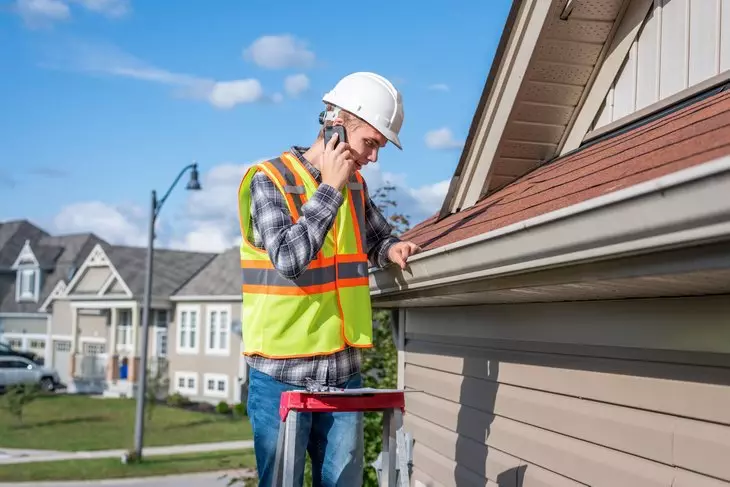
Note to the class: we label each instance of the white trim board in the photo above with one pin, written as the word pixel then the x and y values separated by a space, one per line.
pixel 199 328
pixel 216 377
pixel 219 309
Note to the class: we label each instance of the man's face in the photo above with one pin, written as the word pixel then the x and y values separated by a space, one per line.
pixel 365 142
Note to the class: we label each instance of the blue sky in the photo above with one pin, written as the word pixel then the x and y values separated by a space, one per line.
pixel 104 100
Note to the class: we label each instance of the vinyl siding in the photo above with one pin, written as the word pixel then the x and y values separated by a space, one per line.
pixel 630 393
pixel 202 363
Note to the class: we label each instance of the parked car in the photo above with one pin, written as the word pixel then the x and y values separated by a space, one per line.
pixel 16 370
pixel 7 350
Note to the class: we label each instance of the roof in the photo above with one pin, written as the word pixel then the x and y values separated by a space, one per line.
pixel 222 277
pixel 58 256
pixel 696 133
pixel 171 268
pixel 13 235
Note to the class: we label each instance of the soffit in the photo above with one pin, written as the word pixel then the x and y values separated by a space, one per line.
pixel 567 55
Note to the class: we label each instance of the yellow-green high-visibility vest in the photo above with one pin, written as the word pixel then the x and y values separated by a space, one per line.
pixel 327 307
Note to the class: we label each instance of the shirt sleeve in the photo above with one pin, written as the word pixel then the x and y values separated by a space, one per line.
pixel 292 246
pixel 379 233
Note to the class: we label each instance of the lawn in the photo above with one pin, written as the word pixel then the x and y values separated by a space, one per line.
pixel 233 462
pixel 76 423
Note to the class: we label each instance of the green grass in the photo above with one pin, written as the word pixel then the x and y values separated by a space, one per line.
pixel 107 468
pixel 76 423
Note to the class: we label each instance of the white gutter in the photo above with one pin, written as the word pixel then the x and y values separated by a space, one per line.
pixel 687 206
pixel 203 297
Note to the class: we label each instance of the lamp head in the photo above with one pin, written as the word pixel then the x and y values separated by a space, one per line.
pixel 194 182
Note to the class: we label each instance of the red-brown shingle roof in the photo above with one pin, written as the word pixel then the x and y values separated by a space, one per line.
pixel 687 137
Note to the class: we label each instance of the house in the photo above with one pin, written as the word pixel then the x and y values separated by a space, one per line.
pixel 568 322
pixel 32 265
pixel 205 354
pixel 77 301
pixel 97 315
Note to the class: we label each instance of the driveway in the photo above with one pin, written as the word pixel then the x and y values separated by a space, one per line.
pixel 210 479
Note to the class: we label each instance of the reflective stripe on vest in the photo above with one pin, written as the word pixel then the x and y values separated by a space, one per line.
pixel 325 308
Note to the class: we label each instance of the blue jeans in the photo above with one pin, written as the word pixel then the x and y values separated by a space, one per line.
pixel 334 440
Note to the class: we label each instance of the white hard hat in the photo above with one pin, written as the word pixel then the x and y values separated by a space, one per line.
pixel 372 98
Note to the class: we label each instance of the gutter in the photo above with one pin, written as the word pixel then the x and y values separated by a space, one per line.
pixel 686 207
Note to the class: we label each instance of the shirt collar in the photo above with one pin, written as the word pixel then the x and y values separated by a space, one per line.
pixel 298 151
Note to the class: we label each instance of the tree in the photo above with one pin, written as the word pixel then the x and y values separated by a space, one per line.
pixel 158 383
pixel 380 363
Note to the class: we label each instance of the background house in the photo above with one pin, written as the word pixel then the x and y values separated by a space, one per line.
pixel 567 323
pixel 205 351
pixel 77 301
pixel 34 264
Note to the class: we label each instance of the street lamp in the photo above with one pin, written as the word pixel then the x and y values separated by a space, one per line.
pixel 193 185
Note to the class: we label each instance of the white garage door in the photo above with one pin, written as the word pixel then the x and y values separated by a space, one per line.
pixel 62 359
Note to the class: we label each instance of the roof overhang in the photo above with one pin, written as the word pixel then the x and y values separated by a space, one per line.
pixel 550 55
pixel 683 209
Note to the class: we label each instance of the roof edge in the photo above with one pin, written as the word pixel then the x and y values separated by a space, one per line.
pixel 681 211
pixel 481 107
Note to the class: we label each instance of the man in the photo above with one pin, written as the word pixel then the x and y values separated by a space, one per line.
pixel 309 230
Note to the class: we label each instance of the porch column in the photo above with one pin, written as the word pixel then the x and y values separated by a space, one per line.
pixel 134 362
pixel 113 360
pixel 74 339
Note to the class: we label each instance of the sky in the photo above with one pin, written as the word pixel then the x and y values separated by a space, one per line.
pixel 103 101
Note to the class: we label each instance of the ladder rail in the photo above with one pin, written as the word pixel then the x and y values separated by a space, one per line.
pixel 394 452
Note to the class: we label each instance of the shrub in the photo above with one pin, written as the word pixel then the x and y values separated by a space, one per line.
pixel 240 410
pixel 177 400
pixel 223 408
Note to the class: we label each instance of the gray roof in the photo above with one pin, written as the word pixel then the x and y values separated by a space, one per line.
pixel 13 235
pixel 59 258
pixel 171 268
pixel 221 278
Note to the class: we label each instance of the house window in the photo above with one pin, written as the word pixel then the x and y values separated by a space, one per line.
pixel 28 284
pixel 161 342
pixel 216 385
pixel 161 318
pixel 124 328
pixel 186 382
pixel 16 343
pixel 219 327
pixel 187 338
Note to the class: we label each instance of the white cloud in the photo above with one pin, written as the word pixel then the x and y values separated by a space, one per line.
pixel 124 224
pixel 439 87
pixel 296 84
pixel 42 13
pixel 442 139
pixel 105 59
pixel 227 94
pixel 279 51
pixel 208 220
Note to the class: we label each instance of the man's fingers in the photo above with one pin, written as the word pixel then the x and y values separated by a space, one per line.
pixel 332 141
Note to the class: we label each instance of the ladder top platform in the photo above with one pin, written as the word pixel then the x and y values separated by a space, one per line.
pixel 349 400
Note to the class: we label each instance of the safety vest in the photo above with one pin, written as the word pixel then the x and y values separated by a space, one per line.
pixel 327 307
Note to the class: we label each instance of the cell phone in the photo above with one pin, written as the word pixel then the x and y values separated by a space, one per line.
pixel 330 131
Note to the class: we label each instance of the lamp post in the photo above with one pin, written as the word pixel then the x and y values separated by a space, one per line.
pixel 194 185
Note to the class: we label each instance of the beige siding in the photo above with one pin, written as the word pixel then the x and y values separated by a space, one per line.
pixel 630 393
pixel 682 43
pixel 28 324
pixel 92 325
pixel 201 362
pixel 92 280
pixel 61 317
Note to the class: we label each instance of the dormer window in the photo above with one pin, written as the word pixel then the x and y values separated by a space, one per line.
pixel 28 275
pixel 28 285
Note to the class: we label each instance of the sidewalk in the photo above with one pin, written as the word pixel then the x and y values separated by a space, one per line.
pixel 11 456
pixel 207 479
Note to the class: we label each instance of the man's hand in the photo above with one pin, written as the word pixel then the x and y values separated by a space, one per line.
pixel 399 252
pixel 337 163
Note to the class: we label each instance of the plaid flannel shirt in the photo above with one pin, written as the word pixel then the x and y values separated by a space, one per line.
pixel 291 247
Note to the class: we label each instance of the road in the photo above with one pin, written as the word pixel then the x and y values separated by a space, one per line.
pixel 212 479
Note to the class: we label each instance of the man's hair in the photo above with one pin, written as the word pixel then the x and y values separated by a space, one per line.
pixel 350 121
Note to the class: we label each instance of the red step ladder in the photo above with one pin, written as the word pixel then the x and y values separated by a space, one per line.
pixel 390 402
